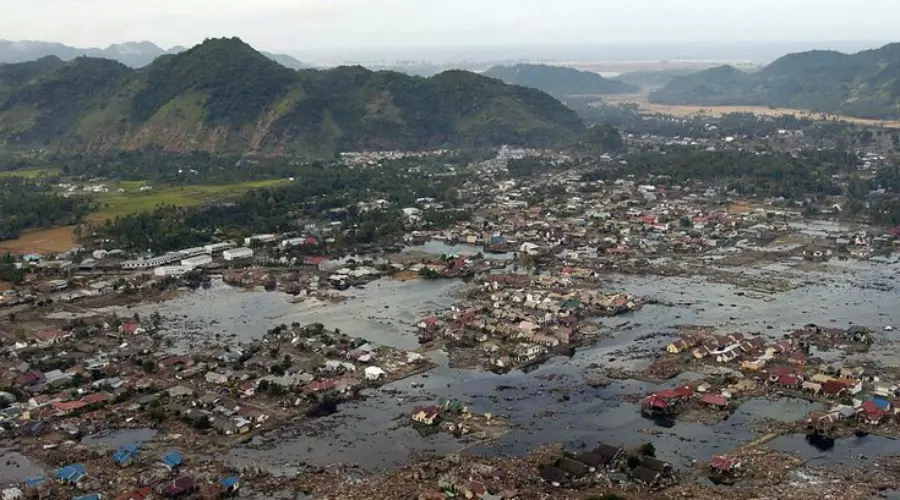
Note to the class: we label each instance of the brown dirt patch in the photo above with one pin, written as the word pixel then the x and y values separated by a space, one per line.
pixel 55 240
pixel 687 110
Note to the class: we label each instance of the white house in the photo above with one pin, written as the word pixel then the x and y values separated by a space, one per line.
pixel 237 254
pixel 171 271
pixel 374 373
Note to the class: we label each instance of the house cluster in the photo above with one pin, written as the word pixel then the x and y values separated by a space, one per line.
pixel 513 320
pixel 607 464
pixel 454 417
pixel 63 385
pixel 785 366
pixel 161 476
pixel 754 353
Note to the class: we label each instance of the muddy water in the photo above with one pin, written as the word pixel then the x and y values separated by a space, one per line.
pixel 849 451
pixel 15 468
pixel 114 440
pixel 441 248
pixel 384 311
pixel 371 433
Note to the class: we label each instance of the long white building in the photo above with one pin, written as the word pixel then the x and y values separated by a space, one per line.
pixel 195 262
pixel 237 254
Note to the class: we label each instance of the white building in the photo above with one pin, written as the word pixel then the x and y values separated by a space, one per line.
pixel 170 271
pixel 153 262
pixel 374 373
pixel 292 242
pixel 195 262
pixel 218 247
pixel 193 252
pixel 260 238
pixel 237 254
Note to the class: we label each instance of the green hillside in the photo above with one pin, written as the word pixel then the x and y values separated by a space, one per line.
pixel 224 96
pixel 559 81
pixel 866 84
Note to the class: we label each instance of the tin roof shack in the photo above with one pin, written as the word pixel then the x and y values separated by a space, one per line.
pixel 173 459
pixel 230 485
pixel 576 470
pixel 125 455
pixel 653 473
pixel 611 456
pixel 554 477
pixel 180 487
pixel 71 474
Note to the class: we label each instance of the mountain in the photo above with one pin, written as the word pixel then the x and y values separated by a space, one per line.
pixel 653 78
pixel 865 84
pixel 286 60
pixel 134 54
pixel 224 96
pixel 558 81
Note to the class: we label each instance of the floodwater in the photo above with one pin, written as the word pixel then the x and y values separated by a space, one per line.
pixel 553 404
pixel 384 311
pixel 16 468
pixel 783 410
pixel 441 248
pixel 114 440
pixel 849 451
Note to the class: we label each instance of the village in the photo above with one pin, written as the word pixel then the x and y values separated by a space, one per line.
pixel 532 263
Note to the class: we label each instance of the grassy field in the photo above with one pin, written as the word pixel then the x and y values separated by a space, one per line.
pixel 685 110
pixel 115 204
pixel 30 173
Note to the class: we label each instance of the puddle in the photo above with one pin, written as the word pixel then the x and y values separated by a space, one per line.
pixel 16 468
pixel 116 439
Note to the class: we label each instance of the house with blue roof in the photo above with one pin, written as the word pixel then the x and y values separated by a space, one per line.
pixel 124 455
pixel 173 459
pixel 92 496
pixel 882 403
pixel 72 474
pixel 230 484
pixel 36 482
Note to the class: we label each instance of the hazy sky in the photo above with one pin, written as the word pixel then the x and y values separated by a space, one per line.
pixel 326 25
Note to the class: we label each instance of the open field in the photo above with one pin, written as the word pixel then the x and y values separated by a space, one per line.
pixel 30 172
pixel 115 204
pixel 55 240
pixel 687 110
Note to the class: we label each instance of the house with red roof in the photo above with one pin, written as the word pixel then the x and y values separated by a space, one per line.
pixel 145 493
pixel 427 415
pixel 714 401
pixel 870 413
pixel 48 337
pixel 247 388
pixel 97 397
pixel 789 381
pixel 66 407
pixel 723 464
pixel 131 327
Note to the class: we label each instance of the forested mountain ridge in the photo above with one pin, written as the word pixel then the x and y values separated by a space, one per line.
pixel 559 81
pixel 134 54
pixel 865 84
pixel 223 96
